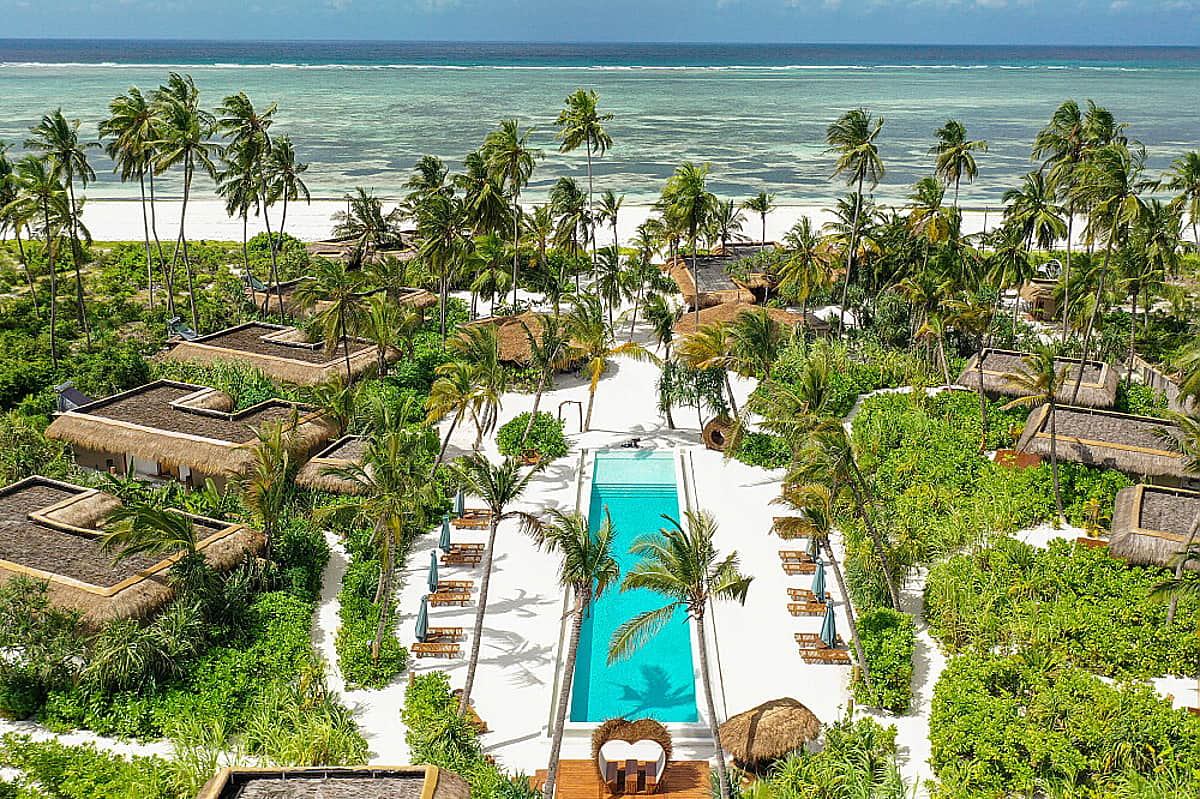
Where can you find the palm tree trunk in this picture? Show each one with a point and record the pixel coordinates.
(384, 597)
(590, 208)
(860, 508)
(76, 252)
(146, 237)
(1067, 273)
(345, 344)
(282, 222)
(941, 345)
(1058, 505)
(181, 241)
(537, 402)
(445, 443)
(850, 619)
(696, 281)
(516, 236)
(706, 681)
(850, 258)
(168, 277)
(53, 284)
(729, 389)
(587, 422)
(764, 227)
(274, 258)
(1091, 325)
(564, 692)
(1187, 547)
(480, 610)
(1132, 340)
(28, 271)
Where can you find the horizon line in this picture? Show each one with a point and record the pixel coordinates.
(600, 42)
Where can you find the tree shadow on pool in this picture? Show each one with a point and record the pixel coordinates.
(660, 692)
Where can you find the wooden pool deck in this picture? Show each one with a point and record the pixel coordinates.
(578, 779)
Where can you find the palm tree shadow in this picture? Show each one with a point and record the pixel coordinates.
(658, 691)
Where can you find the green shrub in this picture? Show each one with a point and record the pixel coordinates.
(1140, 399)
(762, 449)
(888, 639)
(359, 617)
(859, 753)
(82, 772)
(546, 438)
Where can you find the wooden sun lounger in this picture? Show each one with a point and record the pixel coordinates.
(475, 513)
(449, 598)
(777, 525)
(436, 650)
(471, 522)
(801, 595)
(455, 586)
(462, 559)
(443, 635)
(467, 547)
(813, 641)
(795, 556)
(793, 568)
(838, 657)
(813, 608)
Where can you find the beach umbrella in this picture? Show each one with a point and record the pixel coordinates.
(818, 583)
(423, 620)
(460, 503)
(433, 571)
(770, 731)
(444, 542)
(829, 628)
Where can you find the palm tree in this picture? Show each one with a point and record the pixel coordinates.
(454, 391)
(284, 181)
(726, 223)
(956, 155)
(266, 486)
(138, 528)
(813, 506)
(663, 316)
(395, 495)
(809, 264)
(852, 138)
(709, 348)
(610, 207)
(597, 345)
(238, 184)
(58, 139)
(1153, 254)
(580, 125)
(1184, 177)
(366, 223)
(1187, 444)
(687, 200)
(1040, 380)
(499, 486)
(130, 130)
(441, 225)
(390, 327)
(41, 194)
(973, 318)
(682, 564)
(550, 351)
(185, 141)
(479, 347)
(340, 289)
(588, 569)
(15, 215)
(761, 204)
(574, 227)
(487, 258)
(611, 282)
(826, 456)
(510, 159)
(1031, 210)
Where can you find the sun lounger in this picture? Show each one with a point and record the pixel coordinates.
(838, 657)
(793, 568)
(443, 635)
(813, 641)
(779, 525)
(801, 595)
(436, 650)
(455, 586)
(475, 513)
(472, 522)
(795, 556)
(812, 608)
(462, 559)
(440, 598)
(467, 547)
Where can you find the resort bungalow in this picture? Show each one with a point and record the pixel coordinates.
(511, 335)
(52, 531)
(281, 353)
(1098, 388)
(1040, 295)
(315, 475)
(336, 782)
(1152, 524)
(1131, 444)
(727, 312)
(343, 249)
(713, 272)
(168, 430)
(267, 297)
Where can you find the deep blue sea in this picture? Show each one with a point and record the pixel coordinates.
(361, 113)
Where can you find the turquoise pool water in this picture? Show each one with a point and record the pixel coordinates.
(637, 487)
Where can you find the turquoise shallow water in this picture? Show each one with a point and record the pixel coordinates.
(658, 680)
(362, 113)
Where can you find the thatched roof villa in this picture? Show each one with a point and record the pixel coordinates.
(336, 782)
(315, 475)
(418, 299)
(1041, 294)
(1131, 444)
(716, 286)
(51, 530)
(1098, 388)
(1151, 524)
(281, 353)
(727, 312)
(179, 431)
(511, 334)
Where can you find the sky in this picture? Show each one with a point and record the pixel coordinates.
(1099, 22)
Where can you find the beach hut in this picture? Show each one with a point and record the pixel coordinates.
(726, 313)
(268, 297)
(715, 284)
(317, 474)
(167, 430)
(768, 732)
(1040, 295)
(512, 337)
(1098, 388)
(336, 782)
(1152, 524)
(1131, 444)
(52, 531)
(284, 354)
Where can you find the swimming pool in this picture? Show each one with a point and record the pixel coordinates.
(658, 680)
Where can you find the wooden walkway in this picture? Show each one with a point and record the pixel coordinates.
(578, 779)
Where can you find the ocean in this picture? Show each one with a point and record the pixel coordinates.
(361, 113)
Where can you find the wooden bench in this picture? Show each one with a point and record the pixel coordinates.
(801, 595)
(443, 635)
(795, 556)
(462, 559)
(438, 599)
(838, 657)
(455, 586)
(812, 608)
(472, 522)
(436, 650)
(792, 568)
(813, 641)
(462, 548)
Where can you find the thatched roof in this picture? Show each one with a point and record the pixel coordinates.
(769, 731)
(315, 475)
(1151, 524)
(1097, 390)
(716, 287)
(51, 530)
(1039, 288)
(281, 353)
(725, 313)
(171, 423)
(1108, 439)
(418, 298)
(511, 335)
(716, 432)
(336, 782)
(631, 731)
